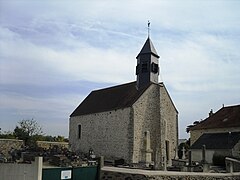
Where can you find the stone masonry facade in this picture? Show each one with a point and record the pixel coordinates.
(155, 112)
(169, 115)
(146, 118)
(107, 133)
(120, 133)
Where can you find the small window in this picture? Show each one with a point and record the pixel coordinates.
(155, 68)
(167, 150)
(79, 131)
(144, 67)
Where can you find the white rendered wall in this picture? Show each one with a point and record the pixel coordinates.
(14, 171)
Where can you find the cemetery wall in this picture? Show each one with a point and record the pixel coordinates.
(109, 173)
(7, 144)
(48, 144)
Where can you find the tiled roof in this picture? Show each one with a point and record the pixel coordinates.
(217, 141)
(108, 99)
(226, 117)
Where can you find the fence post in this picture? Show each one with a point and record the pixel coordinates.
(38, 168)
(231, 166)
(100, 165)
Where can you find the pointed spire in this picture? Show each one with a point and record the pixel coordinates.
(147, 69)
(148, 48)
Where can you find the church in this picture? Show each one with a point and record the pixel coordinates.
(136, 121)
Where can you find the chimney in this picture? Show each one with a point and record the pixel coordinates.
(211, 113)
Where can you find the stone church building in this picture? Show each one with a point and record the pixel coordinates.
(136, 121)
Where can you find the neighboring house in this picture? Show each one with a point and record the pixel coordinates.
(220, 133)
(226, 119)
(136, 121)
(224, 144)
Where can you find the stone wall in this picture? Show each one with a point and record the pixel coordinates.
(195, 134)
(146, 118)
(107, 133)
(169, 117)
(155, 112)
(7, 144)
(48, 144)
(136, 174)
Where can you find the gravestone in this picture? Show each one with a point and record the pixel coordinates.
(147, 151)
(183, 152)
(204, 162)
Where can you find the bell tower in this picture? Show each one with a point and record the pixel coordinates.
(147, 69)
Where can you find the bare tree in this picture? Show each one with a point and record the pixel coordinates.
(28, 130)
(30, 127)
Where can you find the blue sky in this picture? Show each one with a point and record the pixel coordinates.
(53, 53)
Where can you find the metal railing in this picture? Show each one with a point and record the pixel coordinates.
(230, 164)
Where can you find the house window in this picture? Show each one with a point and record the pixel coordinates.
(144, 67)
(79, 131)
(155, 68)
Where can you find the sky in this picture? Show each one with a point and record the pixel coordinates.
(54, 53)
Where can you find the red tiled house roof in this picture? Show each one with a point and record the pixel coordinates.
(226, 117)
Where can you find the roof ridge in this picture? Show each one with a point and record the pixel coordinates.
(115, 86)
(231, 106)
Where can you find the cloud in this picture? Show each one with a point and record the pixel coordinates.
(51, 49)
(46, 65)
(204, 62)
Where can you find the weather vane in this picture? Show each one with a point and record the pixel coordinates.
(148, 28)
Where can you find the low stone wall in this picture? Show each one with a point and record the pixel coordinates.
(112, 173)
(48, 144)
(7, 144)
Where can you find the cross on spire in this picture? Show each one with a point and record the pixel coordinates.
(148, 28)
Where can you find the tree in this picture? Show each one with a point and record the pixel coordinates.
(20, 133)
(31, 127)
(28, 130)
